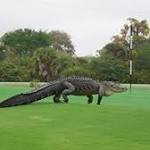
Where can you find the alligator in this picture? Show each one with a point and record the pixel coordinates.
(64, 87)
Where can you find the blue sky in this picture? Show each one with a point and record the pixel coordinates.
(91, 23)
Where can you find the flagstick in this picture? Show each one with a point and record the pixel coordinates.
(131, 75)
(130, 56)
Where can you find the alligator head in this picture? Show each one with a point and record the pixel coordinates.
(112, 87)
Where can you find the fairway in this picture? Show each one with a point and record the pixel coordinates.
(122, 122)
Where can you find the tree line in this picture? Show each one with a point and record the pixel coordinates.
(30, 55)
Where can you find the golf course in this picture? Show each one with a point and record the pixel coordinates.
(122, 122)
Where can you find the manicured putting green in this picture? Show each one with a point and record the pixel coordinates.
(122, 122)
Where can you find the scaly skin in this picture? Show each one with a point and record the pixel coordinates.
(68, 86)
(50, 89)
(89, 87)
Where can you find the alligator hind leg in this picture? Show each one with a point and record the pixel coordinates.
(56, 99)
(90, 99)
(69, 89)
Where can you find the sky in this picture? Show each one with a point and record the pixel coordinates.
(90, 23)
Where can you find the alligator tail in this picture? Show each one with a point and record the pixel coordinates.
(27, 98)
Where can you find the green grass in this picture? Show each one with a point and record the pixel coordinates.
(122, 122)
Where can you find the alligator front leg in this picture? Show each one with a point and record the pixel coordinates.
(69, 89)
(56, 98)
(101, 93)
(90, 99)
(99, 99)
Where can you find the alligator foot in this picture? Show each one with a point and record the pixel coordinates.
(66, 101)
(90, 99)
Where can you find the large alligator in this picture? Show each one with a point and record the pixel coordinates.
(68, 86)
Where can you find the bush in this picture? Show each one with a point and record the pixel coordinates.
(78, 71)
